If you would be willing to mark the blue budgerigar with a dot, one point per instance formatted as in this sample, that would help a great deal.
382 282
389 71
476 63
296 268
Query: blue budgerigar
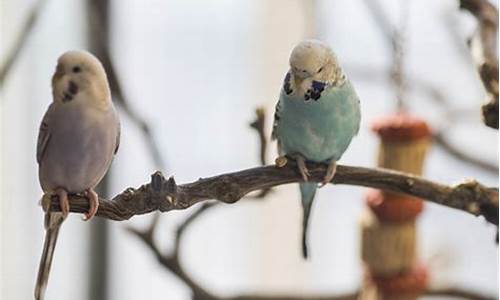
316 117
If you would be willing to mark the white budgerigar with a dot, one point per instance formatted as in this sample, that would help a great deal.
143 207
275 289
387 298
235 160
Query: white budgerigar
79 134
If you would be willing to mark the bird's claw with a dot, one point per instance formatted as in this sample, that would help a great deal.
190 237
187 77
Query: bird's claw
62 196
301 164
93 204
330 173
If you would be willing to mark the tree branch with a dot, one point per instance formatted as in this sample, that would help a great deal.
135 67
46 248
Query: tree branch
484 51
165 195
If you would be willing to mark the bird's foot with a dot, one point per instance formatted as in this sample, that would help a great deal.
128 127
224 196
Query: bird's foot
93 204
62 196
281 161
330 173
301 164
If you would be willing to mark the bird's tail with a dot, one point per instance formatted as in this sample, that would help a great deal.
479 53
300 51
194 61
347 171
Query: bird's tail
53 223
307 192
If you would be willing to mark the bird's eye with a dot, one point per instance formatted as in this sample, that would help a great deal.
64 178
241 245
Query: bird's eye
77 69
320 69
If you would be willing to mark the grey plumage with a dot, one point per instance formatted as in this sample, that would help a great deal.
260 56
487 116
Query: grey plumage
78 136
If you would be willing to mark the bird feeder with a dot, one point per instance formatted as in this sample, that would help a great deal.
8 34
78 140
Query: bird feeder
388 225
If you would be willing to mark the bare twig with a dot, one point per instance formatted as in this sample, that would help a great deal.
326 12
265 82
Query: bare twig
441 141
98 275
171 261
382 21
105 56
206 206
20 41
259 124
395 37
484 50
165 195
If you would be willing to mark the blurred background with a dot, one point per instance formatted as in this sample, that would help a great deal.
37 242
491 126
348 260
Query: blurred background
195 70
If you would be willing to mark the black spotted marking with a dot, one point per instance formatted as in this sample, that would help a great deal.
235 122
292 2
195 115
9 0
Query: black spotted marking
73 88
287 84
318 85
276 120
67 97
315 91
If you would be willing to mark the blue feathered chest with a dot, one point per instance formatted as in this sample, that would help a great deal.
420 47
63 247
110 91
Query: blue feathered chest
319 124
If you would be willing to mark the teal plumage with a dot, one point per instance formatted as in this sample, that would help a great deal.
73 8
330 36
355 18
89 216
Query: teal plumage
316 117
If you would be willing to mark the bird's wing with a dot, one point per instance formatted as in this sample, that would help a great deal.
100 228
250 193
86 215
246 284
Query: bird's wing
44 134
357 110
274 135
358 113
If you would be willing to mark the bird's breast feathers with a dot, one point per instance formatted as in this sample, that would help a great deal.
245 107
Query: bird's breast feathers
322 128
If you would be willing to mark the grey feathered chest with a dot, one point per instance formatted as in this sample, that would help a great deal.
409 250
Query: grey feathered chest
79 148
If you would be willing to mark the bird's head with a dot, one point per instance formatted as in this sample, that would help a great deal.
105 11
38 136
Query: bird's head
80 76
314 60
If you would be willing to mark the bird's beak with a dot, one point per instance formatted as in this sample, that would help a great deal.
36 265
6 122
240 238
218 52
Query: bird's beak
301 77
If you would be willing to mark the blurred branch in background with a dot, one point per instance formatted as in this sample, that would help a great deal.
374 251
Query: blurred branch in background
98 39
259 124
171 261
440 140
488 69
99 18
396 37
483 47
451 115
98 14
451 23
484 51
20 41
